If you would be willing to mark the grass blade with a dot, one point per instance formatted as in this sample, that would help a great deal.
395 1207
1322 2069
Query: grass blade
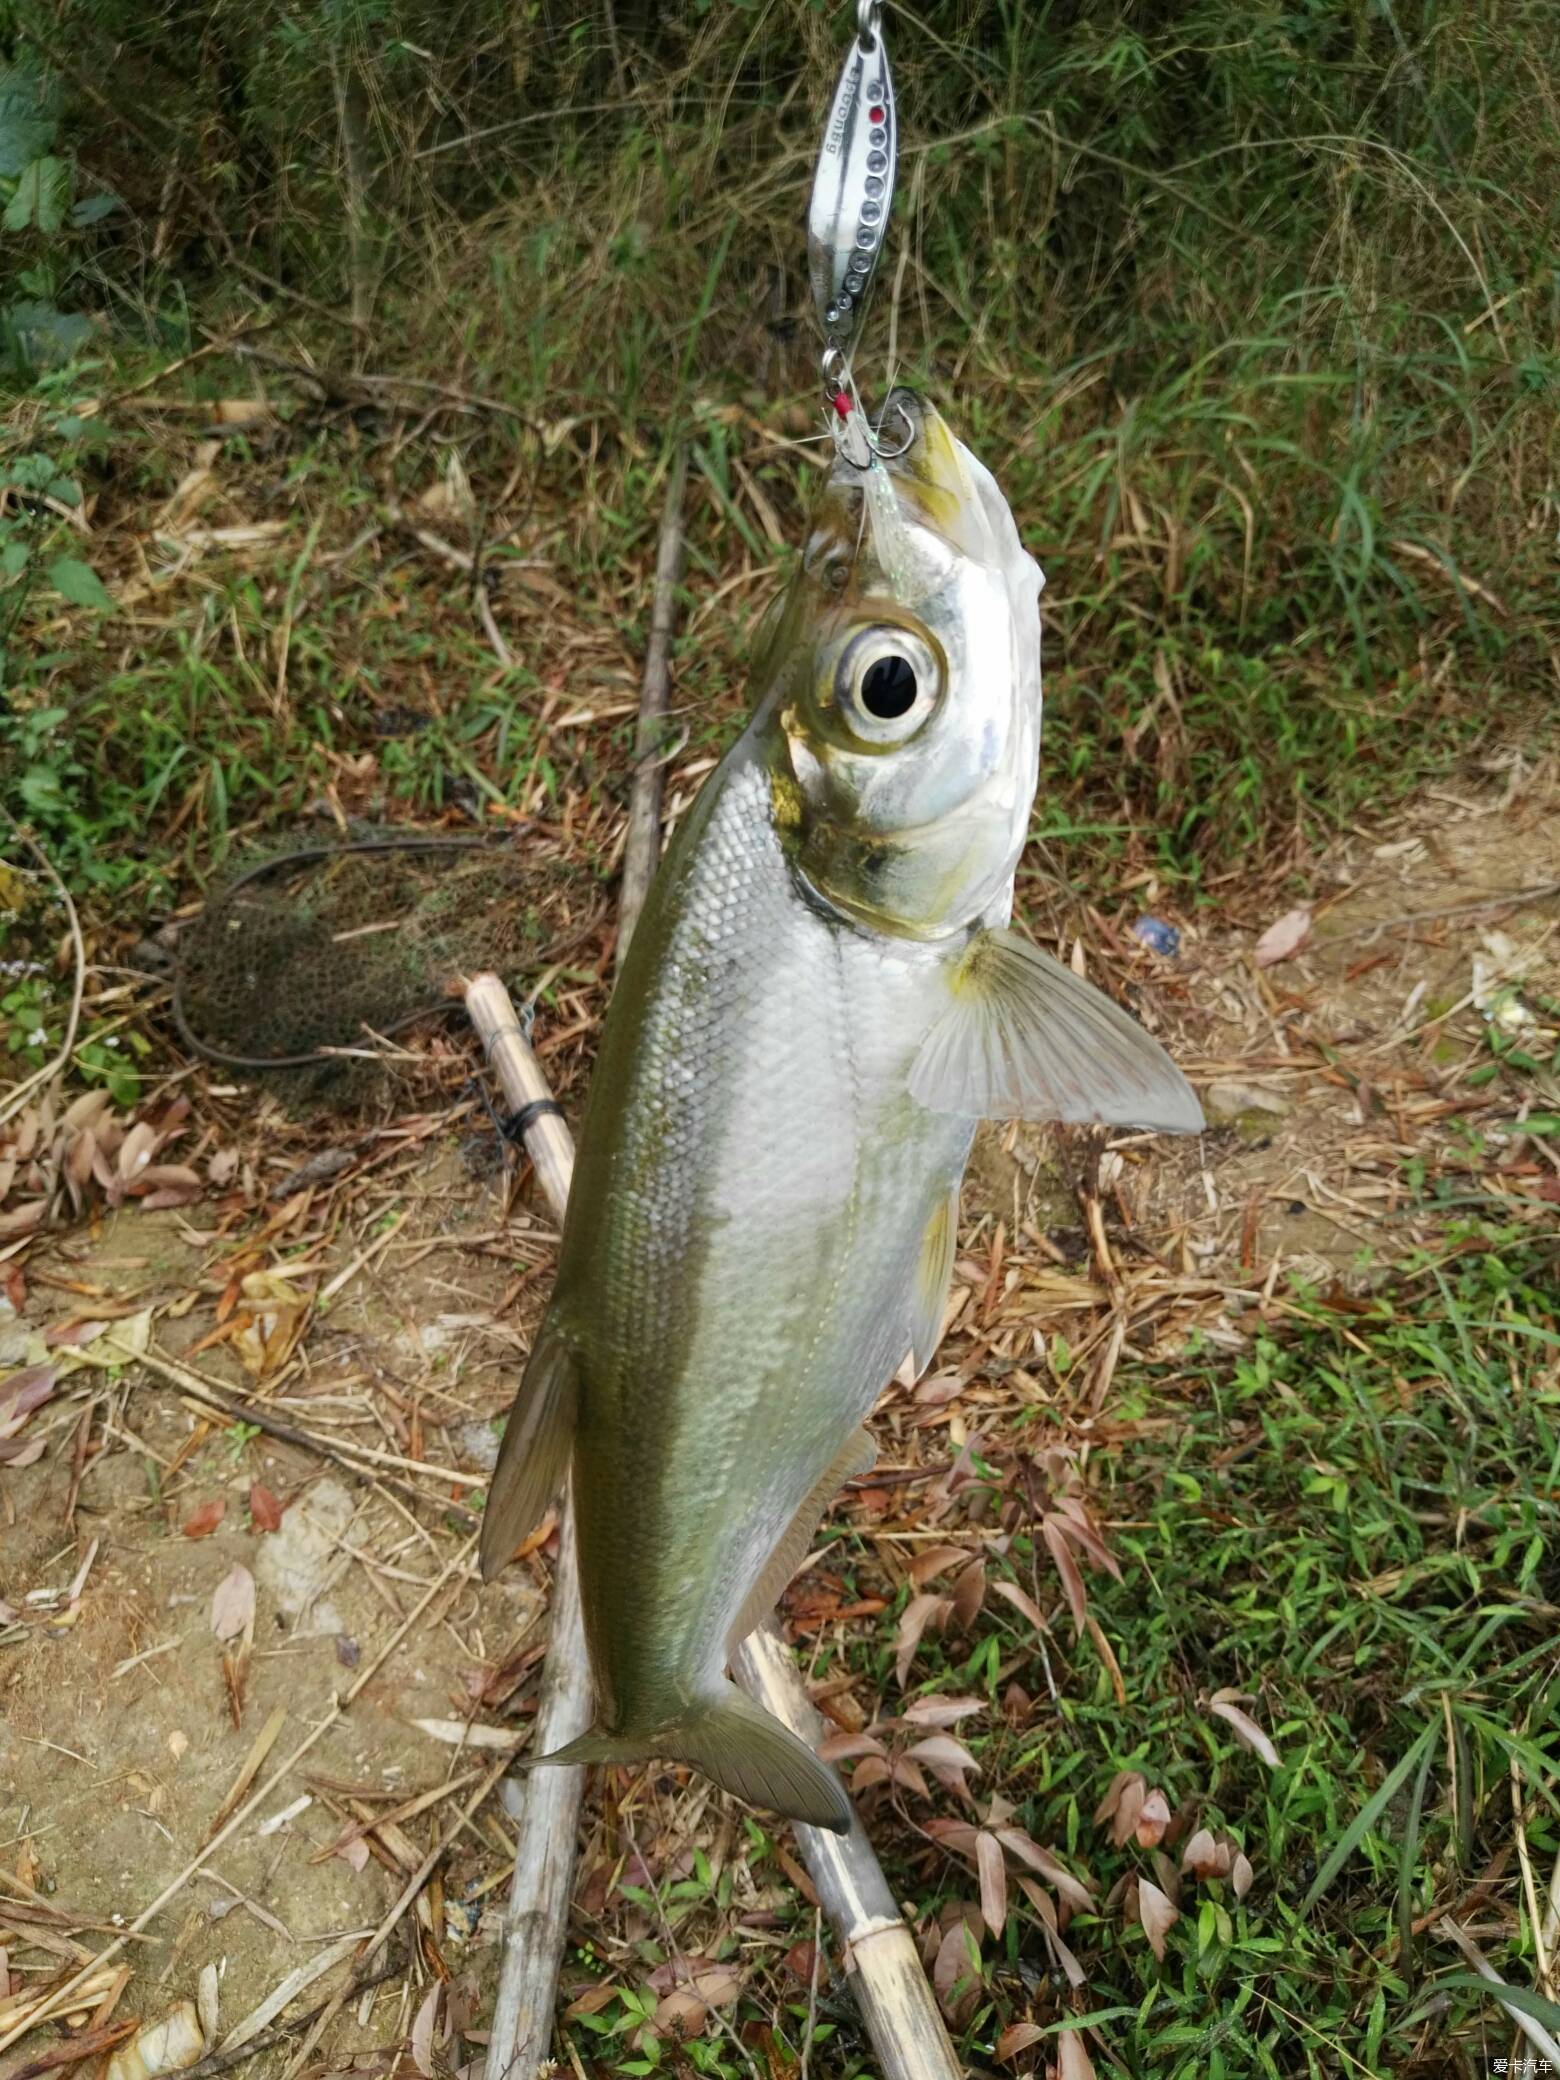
1367 1817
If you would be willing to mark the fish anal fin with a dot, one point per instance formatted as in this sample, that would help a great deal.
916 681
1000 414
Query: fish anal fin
854 1457
740 1747
933 1276
1025 1038
534 1455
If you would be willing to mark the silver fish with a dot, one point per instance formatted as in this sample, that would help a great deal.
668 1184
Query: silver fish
821 1000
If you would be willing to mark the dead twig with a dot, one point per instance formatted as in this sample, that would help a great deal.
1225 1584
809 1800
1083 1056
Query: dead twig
355 1459
224 2061
642 848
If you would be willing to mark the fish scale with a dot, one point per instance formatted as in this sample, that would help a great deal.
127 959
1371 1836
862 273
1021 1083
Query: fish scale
766 1079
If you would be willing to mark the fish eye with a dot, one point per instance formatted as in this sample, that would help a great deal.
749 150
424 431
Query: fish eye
887 682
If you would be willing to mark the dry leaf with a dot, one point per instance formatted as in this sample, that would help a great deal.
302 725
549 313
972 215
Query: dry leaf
1073 1890
1284 937
1152 1820
941 1711
1045 1907
1073 2060
942 1751
264 1510
1021 1602
205 1520
1017 2037
992 1871
936 1560
919 1612
1245 1728
162 2047
423 2030
1204 1856
969 1593
847 1747
1157 1915
956 1971
1128 1805
233 1604
681 2013
1067 1567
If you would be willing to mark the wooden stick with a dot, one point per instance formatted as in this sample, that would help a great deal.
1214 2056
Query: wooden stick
881 1957
642 847
882 1962
537 1918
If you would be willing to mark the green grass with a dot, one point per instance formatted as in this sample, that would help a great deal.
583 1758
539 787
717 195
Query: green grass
1352 1523
1252 312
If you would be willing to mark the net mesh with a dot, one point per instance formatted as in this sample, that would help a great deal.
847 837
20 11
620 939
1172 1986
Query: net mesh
315 948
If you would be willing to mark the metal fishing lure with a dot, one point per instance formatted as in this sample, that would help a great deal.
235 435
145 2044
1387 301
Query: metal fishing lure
853 191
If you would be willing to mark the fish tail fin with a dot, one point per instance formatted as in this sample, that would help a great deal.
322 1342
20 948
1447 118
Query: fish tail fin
740 1747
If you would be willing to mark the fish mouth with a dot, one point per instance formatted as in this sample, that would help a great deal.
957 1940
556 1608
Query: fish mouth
920 470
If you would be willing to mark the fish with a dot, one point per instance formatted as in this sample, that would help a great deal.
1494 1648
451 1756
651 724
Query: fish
821 1000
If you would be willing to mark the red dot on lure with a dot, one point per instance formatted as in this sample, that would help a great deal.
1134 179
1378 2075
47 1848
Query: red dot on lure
841 403
876 115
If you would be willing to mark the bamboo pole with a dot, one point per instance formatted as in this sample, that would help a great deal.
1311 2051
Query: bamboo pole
537 1917
881 1959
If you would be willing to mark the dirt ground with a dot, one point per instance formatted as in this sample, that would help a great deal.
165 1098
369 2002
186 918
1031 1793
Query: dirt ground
385 1312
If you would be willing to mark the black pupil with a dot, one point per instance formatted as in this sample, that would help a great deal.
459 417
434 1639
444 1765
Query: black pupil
888 689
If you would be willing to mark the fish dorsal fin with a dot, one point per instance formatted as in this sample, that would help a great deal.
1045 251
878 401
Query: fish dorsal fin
1025 1038
933 1276
534 1455
854 1457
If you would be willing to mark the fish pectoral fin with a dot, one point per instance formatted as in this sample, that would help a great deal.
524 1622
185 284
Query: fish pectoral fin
854 1457
1026 1038
933 1277
737 1744
535 1452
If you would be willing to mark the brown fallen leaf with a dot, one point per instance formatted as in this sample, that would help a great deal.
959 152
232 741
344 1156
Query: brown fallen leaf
1152 1820
1072 2057
202 1522
265 1511
919 1613
991 1867
233 1604
1223 1706
1157 1915
90 2043
1284 937
1017 2037
956 1971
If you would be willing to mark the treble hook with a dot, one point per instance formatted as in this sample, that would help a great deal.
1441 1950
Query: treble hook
853 191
